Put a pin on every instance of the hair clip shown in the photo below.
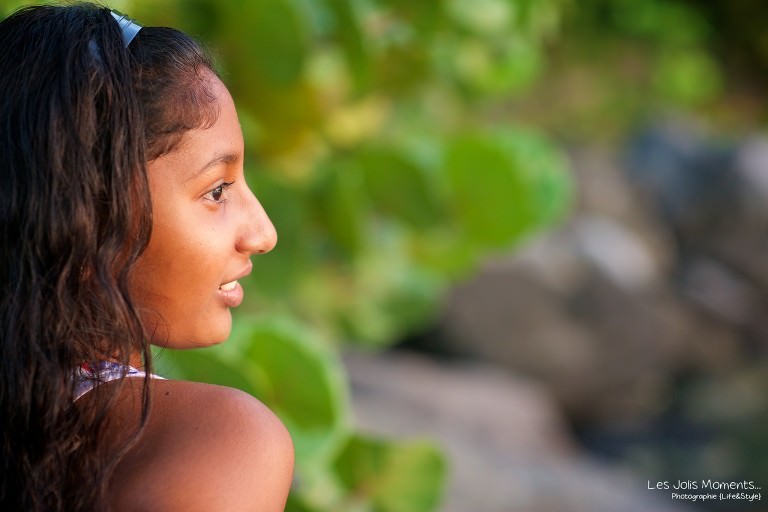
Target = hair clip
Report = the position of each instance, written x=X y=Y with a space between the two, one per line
x=128 y=27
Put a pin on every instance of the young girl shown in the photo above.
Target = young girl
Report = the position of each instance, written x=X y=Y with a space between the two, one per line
x=125 y=221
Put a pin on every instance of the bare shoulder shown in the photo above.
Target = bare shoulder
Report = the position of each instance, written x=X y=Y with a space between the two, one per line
x=206 y=448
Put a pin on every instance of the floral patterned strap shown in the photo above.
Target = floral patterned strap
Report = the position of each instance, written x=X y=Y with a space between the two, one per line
x=89 y=375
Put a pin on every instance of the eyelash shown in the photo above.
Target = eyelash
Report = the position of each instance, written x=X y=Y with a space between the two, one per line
x=220 y=189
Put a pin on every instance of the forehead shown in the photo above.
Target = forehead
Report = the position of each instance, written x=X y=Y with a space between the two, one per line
x=226 y=127
x=199 y=146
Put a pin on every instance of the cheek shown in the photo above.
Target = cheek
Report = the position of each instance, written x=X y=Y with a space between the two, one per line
x=174 y=286
x=155 y=264
x=176 y=260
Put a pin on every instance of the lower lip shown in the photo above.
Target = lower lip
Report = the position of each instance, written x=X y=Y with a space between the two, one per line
x=232 y=298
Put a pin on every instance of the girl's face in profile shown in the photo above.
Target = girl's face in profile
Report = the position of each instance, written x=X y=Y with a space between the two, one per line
x=206 y=225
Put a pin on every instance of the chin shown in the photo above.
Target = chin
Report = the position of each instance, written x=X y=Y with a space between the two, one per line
x=213 y=334
x=188 y=343
x=213 y=338
x=214 y=330
x=197 y=328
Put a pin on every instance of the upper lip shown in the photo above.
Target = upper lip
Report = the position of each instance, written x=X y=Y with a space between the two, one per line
x=242 y=274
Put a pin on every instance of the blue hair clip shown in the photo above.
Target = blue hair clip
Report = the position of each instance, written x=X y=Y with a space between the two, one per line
x=128 y=27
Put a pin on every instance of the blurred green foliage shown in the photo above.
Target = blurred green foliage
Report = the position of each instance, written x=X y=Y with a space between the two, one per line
x=619 y=62
x=681 y=66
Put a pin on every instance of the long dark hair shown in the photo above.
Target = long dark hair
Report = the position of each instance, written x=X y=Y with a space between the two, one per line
x=80 y=116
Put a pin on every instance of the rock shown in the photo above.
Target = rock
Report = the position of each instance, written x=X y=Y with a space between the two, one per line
x=690 y=179
x=629 y=316
x=507 y=443
x=605 y=311
x=752 y=163
x=616 y=251
x=604 y=349
x=482 y=403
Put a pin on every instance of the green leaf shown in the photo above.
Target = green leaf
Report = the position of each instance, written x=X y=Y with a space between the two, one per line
x=273 y=35
x=688 y=77
x=303 y=383
x=399 y=187
x=202 y=365
x=348 y=32
x=341 y=205
x=392 y=476
x=488 y=191
x=545 y=170
x=277 y=273
x=297 y=504
x=503 y=184
x=482 y=16
x=284 y=367
x=445 y=253
x=414 y=302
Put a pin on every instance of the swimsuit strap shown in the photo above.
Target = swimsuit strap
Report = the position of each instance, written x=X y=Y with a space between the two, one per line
x=89 y=375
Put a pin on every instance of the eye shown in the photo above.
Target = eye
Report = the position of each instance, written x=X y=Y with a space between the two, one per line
x=217 y=194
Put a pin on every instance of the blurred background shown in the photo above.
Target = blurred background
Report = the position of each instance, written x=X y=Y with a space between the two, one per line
x=523 y=257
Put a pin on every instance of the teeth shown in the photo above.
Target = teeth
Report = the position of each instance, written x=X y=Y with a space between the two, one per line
x=228 y=286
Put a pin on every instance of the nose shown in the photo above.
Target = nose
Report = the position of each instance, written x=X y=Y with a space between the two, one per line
x=257 y=233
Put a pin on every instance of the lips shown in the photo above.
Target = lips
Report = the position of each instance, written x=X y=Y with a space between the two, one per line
x=231 y=292
x=226 y=287
x=232 y=295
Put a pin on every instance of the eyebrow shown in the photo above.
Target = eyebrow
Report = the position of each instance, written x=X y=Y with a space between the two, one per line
x=224 y=158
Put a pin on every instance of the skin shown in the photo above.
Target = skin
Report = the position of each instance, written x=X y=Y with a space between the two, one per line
x=205 y=447
x=207 y=224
